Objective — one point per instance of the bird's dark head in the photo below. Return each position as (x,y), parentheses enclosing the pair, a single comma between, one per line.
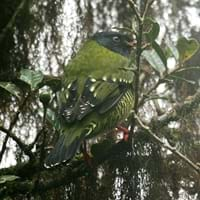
(115,41)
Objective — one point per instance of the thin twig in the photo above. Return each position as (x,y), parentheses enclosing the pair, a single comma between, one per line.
(168,146)
(135,10)
(160,81)
(42,148)
(179,111)
(149,92)
(16,116)
(42,153)
(12,135)
(138,58)
(3,149)
(36,138)
(23,146)
(147,6)
(139,47)
(12,20)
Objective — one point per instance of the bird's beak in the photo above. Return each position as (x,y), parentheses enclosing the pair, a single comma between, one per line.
(131,43)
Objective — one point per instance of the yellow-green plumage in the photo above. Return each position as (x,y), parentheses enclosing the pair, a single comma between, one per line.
(96,96)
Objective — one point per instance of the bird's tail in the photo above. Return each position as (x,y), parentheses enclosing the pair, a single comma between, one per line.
(61,152)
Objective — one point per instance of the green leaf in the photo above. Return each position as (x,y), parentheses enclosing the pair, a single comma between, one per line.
(172,49)
(154,30)
(160,64)
(45,98)
(177,77)
(33,78)
(55,83)
(160,52)
(189,68)
(186,48)
(11,88)
(7,178)
(154,60)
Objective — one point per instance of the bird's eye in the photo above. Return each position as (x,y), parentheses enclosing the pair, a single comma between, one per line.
(116,39)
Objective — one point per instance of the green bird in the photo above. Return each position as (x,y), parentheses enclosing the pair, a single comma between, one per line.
(97,92)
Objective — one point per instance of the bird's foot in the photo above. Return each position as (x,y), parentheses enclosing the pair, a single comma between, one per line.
(125,132)
(87,159)
(86,156)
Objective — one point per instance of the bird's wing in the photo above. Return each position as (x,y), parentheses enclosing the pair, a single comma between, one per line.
(100,95)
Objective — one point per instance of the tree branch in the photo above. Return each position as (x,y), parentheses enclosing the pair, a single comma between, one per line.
(3,149)
(72,170)
(168,146)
